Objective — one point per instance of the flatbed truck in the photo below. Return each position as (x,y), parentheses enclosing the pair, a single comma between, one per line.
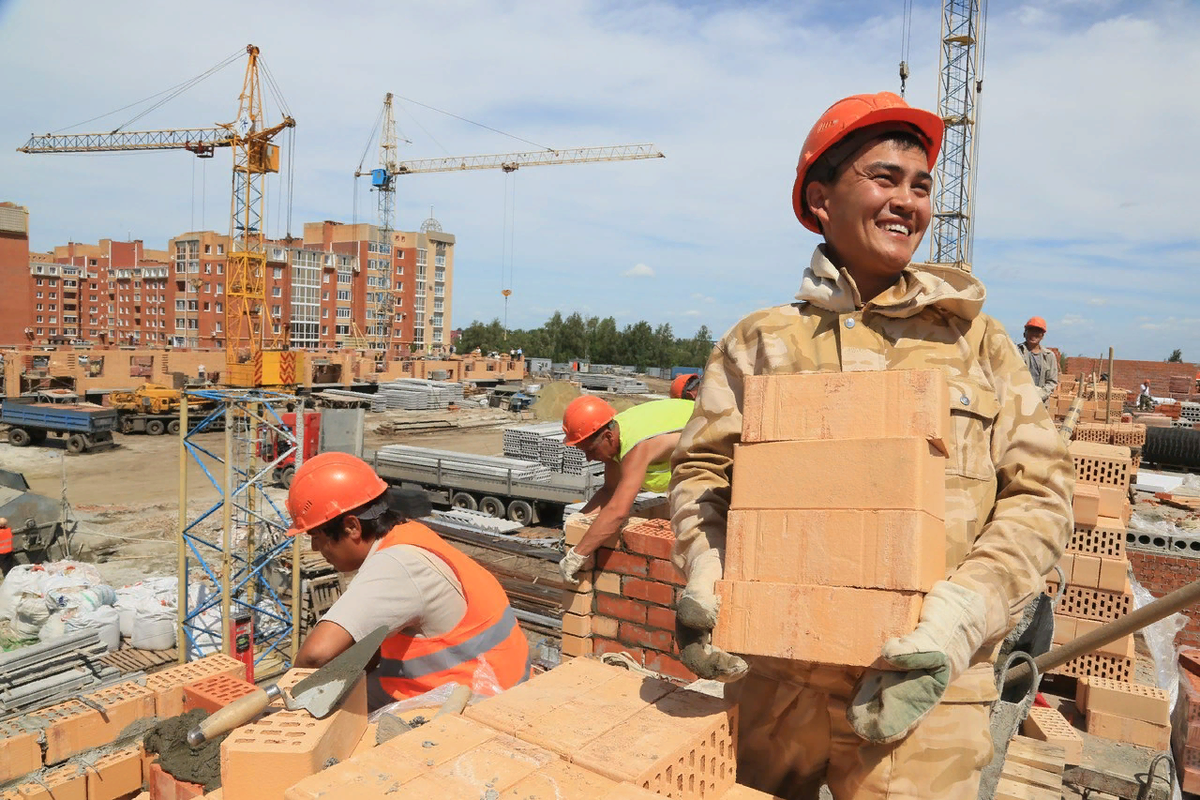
(86,426)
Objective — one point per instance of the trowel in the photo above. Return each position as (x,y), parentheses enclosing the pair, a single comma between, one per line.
(319,694)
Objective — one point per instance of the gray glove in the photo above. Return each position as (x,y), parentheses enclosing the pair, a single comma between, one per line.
(887,705)
(696,615)
(570,564)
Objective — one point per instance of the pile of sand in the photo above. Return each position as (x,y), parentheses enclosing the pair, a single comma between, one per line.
(553,399)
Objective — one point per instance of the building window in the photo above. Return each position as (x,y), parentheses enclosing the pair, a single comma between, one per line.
(343,313)
(220,267)
(324,330)
(343,330)
(344,294)
(276,291)
(220,249)
(324,278)
(220,308)
(276,310)
(278,273)
(207,249)
(324,313)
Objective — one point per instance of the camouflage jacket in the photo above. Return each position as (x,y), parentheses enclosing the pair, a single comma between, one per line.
(1009,478)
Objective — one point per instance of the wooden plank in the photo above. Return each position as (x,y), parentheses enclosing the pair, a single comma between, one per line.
(1040,755)
(1008,789)
(1032,776)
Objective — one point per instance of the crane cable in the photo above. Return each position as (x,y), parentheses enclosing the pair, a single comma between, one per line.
(905,43)
(174,90)
(477,124)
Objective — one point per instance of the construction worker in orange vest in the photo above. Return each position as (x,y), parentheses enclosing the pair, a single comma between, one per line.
(635,446)
(684,387)
(6,538)
(450,620)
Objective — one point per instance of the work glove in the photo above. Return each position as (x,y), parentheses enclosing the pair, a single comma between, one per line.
(695,617)
(570,564)
(887,705)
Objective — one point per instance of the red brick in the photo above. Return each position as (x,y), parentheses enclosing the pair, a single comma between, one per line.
(215,692)
(622,563)
(620,608)
(866,474)
(650,591)
(652,538)
(1123,699)
(165,786)
(664,664)
(605,626)
(661,618)
(115,775)
(68,782)
(662,641)
(665,572)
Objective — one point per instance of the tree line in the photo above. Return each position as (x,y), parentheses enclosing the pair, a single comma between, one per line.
(593,339)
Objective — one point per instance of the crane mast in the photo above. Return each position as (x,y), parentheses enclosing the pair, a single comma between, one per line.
(959,85)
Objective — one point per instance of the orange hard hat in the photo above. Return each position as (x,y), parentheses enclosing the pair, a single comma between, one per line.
(853,114)
(327,486)
(682,383)
(584,416)
(1036,322)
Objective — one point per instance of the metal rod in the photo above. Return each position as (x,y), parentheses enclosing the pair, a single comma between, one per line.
(297,462)
(227,533)
(1110,632)
(181,601)
(1108,390)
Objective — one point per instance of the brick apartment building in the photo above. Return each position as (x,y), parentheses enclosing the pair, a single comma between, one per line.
(318,293)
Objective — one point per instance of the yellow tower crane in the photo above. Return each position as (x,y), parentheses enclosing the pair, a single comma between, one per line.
(253,356)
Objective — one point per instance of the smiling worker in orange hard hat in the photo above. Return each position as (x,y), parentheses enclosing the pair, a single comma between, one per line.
(917,728)
(449,618)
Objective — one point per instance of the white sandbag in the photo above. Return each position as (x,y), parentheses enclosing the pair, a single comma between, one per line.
(104,620)
(126,615)
(54,628)
(23,579)
(99,595)
(153,632)
(31,614)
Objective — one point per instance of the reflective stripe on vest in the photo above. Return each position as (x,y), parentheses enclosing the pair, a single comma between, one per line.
(647,420)
(451,656)
(6,539)
(487,639)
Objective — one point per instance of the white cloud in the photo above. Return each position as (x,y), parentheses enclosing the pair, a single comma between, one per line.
(691,313)
(639,271)
(1062,224)
(1070,320)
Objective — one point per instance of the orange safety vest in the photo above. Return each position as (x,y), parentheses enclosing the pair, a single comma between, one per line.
(487,636)
(5,540)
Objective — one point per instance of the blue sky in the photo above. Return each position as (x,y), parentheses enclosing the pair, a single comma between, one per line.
(1086,176)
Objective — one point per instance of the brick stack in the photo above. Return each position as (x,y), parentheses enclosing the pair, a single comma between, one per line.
(836,513)
(1126,712)
(1049,725)
(1185,722)
(582,730)
(1095,564)
(1121,434)
(627,603)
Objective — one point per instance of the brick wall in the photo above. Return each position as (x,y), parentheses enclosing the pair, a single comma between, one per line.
(1130,374)
(1162,573)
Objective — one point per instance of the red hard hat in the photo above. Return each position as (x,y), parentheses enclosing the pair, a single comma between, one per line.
(852,114)
(584,416)
(327,486)
(1036,322)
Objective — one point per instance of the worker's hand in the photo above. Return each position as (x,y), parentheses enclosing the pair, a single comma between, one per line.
(696,616)
(887,705)
(570,564)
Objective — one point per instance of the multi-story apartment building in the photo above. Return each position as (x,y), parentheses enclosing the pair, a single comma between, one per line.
(339,286)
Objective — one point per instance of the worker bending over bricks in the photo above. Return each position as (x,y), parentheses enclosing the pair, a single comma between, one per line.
(913,724)
(449,618)
(635,447)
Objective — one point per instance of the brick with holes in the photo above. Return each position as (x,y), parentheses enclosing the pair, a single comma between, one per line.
(1049,725)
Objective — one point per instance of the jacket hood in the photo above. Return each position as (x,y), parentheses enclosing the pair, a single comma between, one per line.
(920,286)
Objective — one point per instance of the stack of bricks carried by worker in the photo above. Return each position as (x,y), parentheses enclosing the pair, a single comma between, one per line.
(836,513)
(583,730)
(1094,565)
(1126,712)
(626,603)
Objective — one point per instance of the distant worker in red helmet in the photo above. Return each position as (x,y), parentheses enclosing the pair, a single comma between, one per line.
(1042,362)
(450,620)
(635,446)
(684,387)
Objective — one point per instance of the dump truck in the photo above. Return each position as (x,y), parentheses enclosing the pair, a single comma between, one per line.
(153,409)
(36,521)
(86,426)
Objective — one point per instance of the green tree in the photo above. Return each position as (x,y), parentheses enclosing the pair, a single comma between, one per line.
(1176,357)
(572,338)
(606,342)
(637,344)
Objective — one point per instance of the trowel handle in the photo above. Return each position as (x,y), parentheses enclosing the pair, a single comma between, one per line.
(239,712)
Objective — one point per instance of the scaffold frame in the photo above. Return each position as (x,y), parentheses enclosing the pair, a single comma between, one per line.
(241,565)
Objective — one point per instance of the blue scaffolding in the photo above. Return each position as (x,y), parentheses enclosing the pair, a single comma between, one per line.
(233,555)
